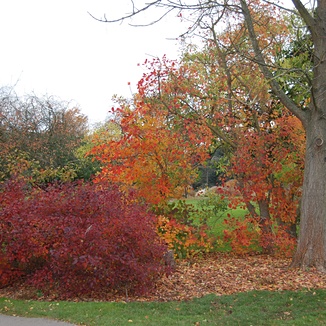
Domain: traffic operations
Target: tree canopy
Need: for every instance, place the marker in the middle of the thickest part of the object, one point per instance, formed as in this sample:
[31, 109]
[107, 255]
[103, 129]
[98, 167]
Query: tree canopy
[251, 44]
[40, 134]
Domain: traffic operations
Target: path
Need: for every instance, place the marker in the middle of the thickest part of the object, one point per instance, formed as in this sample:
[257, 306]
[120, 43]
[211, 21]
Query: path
[22, 321]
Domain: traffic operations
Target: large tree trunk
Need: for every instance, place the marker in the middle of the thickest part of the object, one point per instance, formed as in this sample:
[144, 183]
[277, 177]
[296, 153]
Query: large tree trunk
[311, 250]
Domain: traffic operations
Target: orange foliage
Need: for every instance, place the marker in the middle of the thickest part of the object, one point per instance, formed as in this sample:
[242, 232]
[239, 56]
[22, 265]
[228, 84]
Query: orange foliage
[268, 165]
[153, 154]
[213, 96]
[185, 240]
[243, 235]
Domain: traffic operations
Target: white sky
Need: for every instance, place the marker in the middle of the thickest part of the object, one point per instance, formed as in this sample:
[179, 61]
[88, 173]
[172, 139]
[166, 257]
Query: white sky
[54, 47]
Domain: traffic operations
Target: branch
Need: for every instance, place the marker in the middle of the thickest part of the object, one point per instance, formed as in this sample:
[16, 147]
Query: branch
[304, 13]
[273, 3]
[204, 8]
[276, 88]
[132, 14]
[154, 21]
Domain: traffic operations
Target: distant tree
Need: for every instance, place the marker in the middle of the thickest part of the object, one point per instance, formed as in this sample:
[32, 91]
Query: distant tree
[38, 132]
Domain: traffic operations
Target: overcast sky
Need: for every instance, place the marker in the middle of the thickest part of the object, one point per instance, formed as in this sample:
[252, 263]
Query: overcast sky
[54, 47]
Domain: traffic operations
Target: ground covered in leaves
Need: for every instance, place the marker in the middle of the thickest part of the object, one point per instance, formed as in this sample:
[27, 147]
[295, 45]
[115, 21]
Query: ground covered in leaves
[215, 273]
[226, 274]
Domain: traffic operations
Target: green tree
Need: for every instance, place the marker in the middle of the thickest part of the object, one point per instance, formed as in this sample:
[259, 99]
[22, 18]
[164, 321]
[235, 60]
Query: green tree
[88, 164]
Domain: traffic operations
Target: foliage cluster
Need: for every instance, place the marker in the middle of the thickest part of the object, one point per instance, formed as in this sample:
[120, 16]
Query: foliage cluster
[268, 167]
[185, 228]
[185, 240]
[40, 137]
[77, 238]
[213, 205]
[245, 235]
[154, 153]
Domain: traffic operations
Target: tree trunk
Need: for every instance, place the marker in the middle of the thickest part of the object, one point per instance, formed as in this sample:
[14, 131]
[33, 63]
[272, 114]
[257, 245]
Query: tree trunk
[311, 250]
[265, 226]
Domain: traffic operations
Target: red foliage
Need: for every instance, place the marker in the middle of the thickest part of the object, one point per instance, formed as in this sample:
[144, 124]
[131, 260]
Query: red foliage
[248, 236]
[268, 165]
[243, 235]
[78, 238]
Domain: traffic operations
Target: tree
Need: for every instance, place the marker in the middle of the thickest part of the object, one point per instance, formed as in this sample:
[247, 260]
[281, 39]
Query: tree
[88, 165]
[187, 98]
[311, 249]
[38, 133]
[252, 129]
[152, 153]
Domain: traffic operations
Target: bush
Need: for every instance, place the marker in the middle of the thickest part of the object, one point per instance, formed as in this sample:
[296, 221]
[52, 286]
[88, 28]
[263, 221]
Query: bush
[242, 234]
[78, 238]
[246, 236]
[182, 228]
[184, 240]
[212, 207]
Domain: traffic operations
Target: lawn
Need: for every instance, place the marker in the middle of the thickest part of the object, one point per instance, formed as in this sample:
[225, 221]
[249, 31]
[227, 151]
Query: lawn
[211, 210]
[215, 215]
[251, 308]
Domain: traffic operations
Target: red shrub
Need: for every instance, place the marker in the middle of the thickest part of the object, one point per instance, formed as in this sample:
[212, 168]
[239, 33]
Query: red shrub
[243, 235]
[246, 236]
[78, 238]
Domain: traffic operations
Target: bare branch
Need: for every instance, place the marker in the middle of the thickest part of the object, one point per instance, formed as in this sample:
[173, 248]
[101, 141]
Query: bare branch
[132, 14]
[204, 8]
[154, 21]
[273, 3]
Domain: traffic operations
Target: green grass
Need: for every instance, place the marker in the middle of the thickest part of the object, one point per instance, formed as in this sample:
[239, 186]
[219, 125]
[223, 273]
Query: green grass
[252, 308]
[210, 211]
[215, 221]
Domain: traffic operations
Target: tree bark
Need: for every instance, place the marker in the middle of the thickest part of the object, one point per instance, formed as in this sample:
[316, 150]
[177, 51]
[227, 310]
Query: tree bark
[311, 250]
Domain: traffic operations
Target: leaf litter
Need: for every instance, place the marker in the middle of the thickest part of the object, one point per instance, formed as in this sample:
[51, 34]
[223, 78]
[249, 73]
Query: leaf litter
[219, 273]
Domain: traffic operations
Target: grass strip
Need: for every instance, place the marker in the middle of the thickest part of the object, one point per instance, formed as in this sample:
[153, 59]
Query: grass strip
[250, 308]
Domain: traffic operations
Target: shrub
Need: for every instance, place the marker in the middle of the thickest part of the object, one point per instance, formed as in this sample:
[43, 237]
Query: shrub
[182, 228]
[185, 240]
[213, 206]
[243, 235]
[79, 238]
[246, 236]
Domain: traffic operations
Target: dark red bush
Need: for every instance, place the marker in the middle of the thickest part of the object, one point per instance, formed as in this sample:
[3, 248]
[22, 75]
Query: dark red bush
[78, 238]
